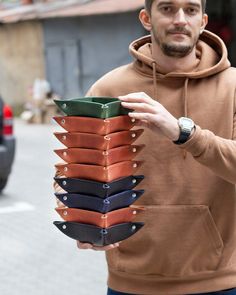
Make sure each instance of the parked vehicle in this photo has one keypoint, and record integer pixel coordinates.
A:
(7, 143)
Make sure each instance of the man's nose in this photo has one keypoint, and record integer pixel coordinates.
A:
(180, 18)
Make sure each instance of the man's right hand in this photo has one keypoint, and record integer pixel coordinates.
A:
(86, 246)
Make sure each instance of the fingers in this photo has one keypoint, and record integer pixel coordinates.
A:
(140, 107)
(59, 204)
(144, 118)
(84, 246)
(106, 248)
(138, 97)
(87, 246)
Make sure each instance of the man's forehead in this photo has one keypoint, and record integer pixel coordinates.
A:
(179, 2)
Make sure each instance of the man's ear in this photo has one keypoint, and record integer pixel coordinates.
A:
(204, 22)
(145, 19)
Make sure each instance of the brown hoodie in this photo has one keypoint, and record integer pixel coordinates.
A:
(188, 243)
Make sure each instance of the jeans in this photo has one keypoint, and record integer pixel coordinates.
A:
(225, 292)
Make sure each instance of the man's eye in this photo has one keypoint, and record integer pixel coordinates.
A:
(166, 9)
(192, 11)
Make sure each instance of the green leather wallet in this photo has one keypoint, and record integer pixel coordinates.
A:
(97, 107)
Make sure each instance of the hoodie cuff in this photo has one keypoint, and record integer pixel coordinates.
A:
(197, 143)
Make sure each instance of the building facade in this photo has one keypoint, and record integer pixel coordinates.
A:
(72, 45)
(79, 50)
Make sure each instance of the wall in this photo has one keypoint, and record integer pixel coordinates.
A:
(21, 59)
(90, 46)
(222, 22)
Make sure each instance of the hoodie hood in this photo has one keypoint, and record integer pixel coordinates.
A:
(210, 51)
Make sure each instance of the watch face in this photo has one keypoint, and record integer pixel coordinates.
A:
(186, 123)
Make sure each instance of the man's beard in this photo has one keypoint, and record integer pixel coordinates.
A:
(174, 50)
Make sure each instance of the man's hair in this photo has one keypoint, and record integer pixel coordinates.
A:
(148, 5)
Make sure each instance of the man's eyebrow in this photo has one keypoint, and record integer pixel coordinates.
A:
(197, 5)
(194, 4)
(164, 3)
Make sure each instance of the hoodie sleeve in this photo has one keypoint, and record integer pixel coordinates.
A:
(214, 152)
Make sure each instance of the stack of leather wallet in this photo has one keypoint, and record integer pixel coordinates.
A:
(98, 171)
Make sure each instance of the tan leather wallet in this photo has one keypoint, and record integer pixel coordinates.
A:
(95, 125)
(99, 173)
(94, 141)
(99, 157)
(99, 219)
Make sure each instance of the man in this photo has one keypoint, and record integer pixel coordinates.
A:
(182, 89)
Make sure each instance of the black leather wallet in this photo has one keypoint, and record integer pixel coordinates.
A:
(98, 236)
(117, 201)
(99, 189)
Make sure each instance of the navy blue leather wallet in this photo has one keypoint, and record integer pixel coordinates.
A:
(98, 236)
(117, 201)
(98, 189)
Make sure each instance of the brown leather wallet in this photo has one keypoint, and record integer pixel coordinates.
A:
(94, 141)
(99, 157)
(95, 125)
(99, 173)
(99, 219)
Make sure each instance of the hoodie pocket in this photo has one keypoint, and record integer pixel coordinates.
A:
(176, 240)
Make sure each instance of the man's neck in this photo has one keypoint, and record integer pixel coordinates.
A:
(169, 64)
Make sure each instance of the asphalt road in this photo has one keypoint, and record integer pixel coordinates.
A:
(35, 257)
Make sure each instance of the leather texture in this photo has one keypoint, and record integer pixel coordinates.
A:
(103, 220)
(97, 107)
(98, 189)
(95, 235)
(99, 173)
(95, 125)
(95, 141)
(92, 203)
(98, 157)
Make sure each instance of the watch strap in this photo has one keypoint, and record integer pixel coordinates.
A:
(183, 137)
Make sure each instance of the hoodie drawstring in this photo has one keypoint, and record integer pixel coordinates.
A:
(185, 95)
(185, 106)
(154, 71)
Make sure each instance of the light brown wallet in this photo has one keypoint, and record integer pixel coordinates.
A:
(94, 141)
(95, 125)
(99, 173)
(103, 220)
(99, 157)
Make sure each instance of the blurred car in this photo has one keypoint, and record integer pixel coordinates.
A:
(7, 143)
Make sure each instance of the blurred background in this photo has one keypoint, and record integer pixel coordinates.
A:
(57, 48)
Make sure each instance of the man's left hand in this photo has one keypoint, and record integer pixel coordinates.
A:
(151, 114)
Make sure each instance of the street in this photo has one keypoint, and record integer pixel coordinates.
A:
(35, 257)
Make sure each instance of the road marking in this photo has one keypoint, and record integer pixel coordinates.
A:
(17, 207)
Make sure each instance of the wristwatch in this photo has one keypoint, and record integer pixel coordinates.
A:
(186, 126)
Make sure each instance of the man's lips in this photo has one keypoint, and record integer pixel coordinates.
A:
(179, 33)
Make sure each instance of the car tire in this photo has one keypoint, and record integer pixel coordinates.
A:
(3, 182)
